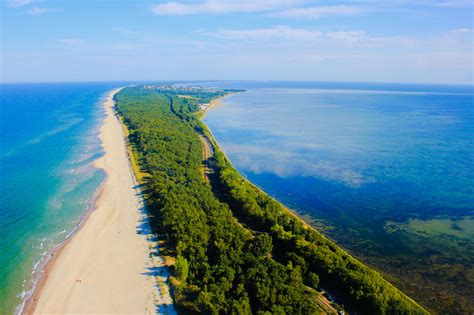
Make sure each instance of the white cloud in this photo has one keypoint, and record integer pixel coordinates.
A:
(455, 3)
(348, 36)
(220, 7)
(18, 3)
(298, 34)
(318, 12)
(285, 163)
(308, 9)
(40, 10)
(462, 31)
(285, 32)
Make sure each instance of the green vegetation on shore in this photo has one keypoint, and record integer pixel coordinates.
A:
(236, 249)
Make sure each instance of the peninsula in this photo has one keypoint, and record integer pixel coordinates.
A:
(229, 247)
(232, 248)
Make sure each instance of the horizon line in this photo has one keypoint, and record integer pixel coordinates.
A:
(471, 84)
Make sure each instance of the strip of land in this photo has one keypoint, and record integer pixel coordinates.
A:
(209, 169)
(235, 249)
(111, 265)
(207, 153)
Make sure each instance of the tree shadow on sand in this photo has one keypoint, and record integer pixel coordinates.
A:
(159, 271)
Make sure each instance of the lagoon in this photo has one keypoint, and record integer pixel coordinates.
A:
(384, 170)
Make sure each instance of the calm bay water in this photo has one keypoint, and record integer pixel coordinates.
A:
(48, 141)
(385, 170)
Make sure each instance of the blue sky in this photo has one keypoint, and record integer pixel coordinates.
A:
(428, 41)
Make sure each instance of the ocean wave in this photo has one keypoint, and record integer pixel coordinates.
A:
(40, 138)
(53, 245)
(68, 125)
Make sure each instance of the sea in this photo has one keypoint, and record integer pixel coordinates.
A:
(48, 142)
(385, 170)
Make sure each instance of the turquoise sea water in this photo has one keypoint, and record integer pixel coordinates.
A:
(385, 170)
(48, 141)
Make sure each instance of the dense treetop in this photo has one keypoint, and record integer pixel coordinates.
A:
(235, 249)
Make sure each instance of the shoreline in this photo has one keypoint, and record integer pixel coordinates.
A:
(105, 265)
(212, 139)
(214, 103)
(44, 265)
(293, 213)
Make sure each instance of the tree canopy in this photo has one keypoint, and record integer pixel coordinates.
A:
(236, 249)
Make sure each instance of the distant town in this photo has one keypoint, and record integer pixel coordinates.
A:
(176, 88)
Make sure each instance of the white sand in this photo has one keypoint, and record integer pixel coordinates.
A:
(107, 267)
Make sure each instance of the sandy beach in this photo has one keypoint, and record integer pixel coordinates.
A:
(215, 102)
(111, 264)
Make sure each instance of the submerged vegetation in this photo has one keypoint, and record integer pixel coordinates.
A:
(235, 249)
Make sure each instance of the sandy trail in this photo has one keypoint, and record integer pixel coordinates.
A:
(208, 152)
(111, 265)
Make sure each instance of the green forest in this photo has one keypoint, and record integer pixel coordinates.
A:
(234, 248)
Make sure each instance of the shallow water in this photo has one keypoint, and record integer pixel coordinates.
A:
(385, 170)
(49, 139)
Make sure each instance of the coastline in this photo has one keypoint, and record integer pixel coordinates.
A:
(250, 210)
(44, 265)
(214, 103)
(212, 139)
(105, 265)
(291, 212)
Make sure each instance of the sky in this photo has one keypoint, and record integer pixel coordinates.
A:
(420, 41)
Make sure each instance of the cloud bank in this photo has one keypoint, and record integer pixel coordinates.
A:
(219, 7)
(274, 8)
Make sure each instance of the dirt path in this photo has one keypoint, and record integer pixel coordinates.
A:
(208, 153)
(325, 305)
